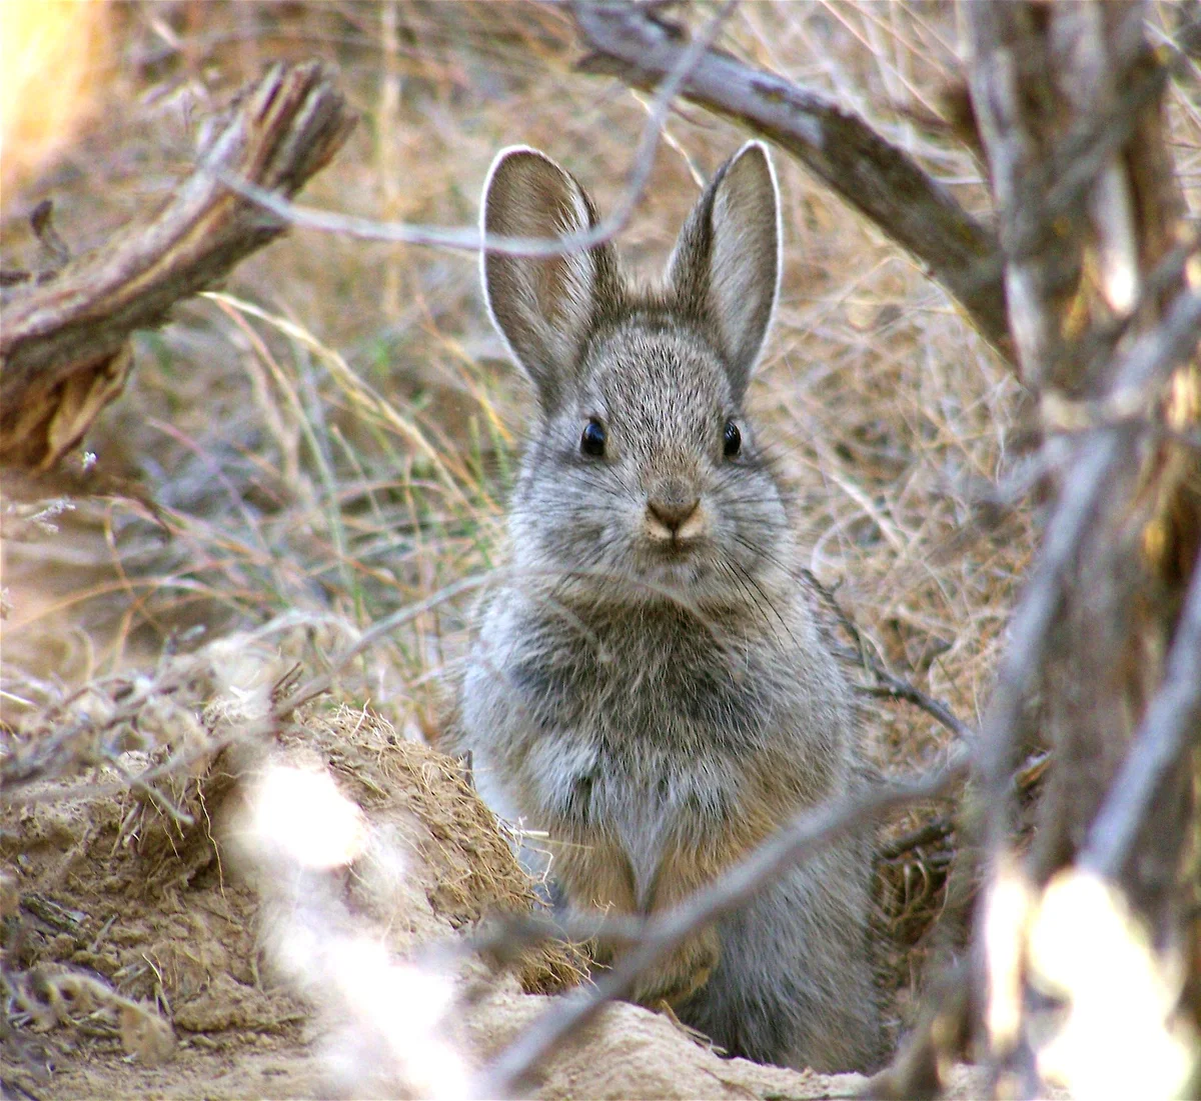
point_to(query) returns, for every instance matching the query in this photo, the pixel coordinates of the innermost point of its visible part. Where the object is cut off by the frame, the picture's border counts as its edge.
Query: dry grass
(330, 437)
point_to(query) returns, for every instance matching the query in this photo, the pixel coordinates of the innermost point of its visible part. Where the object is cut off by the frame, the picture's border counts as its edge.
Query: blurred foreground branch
(1172, 720)
(1101, 661)
(65, 349)
(808, 833)
(474, 239)
(879, 180)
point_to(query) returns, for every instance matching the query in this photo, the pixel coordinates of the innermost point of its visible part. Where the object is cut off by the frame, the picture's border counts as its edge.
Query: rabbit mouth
(672, 550)
(669, 547)
(673, 564)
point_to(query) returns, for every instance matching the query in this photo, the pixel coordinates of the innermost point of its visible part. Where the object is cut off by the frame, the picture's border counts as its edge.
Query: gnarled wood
(1069, 98)
(65, 344)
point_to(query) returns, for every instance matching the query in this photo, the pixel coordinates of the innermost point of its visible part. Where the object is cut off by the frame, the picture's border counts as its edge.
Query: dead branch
(888, 685)
(1069, 103)
(65, 349)
(1091, 465)
(473, 240)
(1172, 721)
(1094, 466)
(1007, 41)
(879, 180)
(1043, 169)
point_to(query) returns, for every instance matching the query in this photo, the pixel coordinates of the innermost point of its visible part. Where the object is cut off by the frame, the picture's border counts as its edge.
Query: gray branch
(1171, 724)
(65, 347)
(879, 180)
(808, 833)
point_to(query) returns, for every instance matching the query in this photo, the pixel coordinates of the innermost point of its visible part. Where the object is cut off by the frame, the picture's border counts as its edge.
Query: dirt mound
(280, 918)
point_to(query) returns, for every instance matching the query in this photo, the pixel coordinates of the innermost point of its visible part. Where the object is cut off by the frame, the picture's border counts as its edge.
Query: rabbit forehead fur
(658, 387)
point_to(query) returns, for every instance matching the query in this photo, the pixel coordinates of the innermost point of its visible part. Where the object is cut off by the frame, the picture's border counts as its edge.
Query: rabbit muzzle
(674, 515)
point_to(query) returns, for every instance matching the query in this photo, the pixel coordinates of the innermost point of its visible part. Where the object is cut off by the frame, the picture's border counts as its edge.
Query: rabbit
(648, 681)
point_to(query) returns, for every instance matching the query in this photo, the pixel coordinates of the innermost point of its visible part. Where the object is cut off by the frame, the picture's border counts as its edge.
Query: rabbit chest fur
(647, 682)
(662, 736)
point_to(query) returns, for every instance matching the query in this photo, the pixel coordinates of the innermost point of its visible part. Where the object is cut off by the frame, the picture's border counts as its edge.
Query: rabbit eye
(592, 442)
(731, 440)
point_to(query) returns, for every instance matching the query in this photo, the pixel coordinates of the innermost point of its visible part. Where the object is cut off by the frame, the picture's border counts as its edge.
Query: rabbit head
(643, 477)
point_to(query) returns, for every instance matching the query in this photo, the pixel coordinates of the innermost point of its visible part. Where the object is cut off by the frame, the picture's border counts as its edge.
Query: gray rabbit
(648, 683)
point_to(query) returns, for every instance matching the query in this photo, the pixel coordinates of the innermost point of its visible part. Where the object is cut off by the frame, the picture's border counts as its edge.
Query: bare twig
(875, 177)
(1172, 721)
(320, 684)
(1000, 41)
(808, 833)
(508, 934)
(1035, 613)
(474, 240)
(890, 684)
(898, 688)
(1042, 179)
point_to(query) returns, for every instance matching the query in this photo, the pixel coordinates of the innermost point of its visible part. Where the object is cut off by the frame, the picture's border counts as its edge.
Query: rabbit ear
(725, 269)
(543, 307)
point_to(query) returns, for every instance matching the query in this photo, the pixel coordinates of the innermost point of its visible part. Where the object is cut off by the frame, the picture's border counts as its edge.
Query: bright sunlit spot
(1119, 1039)
(301, 815)
(400, 1007)
(1008, 903)
(50, 54)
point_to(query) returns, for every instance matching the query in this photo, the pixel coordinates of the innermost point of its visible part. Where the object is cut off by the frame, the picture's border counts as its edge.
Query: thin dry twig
(875, 177)
(475, 240)
(889, 684)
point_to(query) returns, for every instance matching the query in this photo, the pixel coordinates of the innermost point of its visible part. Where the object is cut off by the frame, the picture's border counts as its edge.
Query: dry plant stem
(513, 932)
(890, 685)
(473, 240)
(65, 348)
(320, 684)
(71, 747)
(806, 834)
(875, 177)
(1171, 724)
(898, 688)
(999, 37)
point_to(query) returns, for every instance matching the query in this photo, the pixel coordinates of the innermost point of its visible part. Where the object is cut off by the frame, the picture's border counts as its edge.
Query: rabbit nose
(673, 510)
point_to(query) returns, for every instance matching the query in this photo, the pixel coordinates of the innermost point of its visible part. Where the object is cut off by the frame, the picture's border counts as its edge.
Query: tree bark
(1069, 100)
